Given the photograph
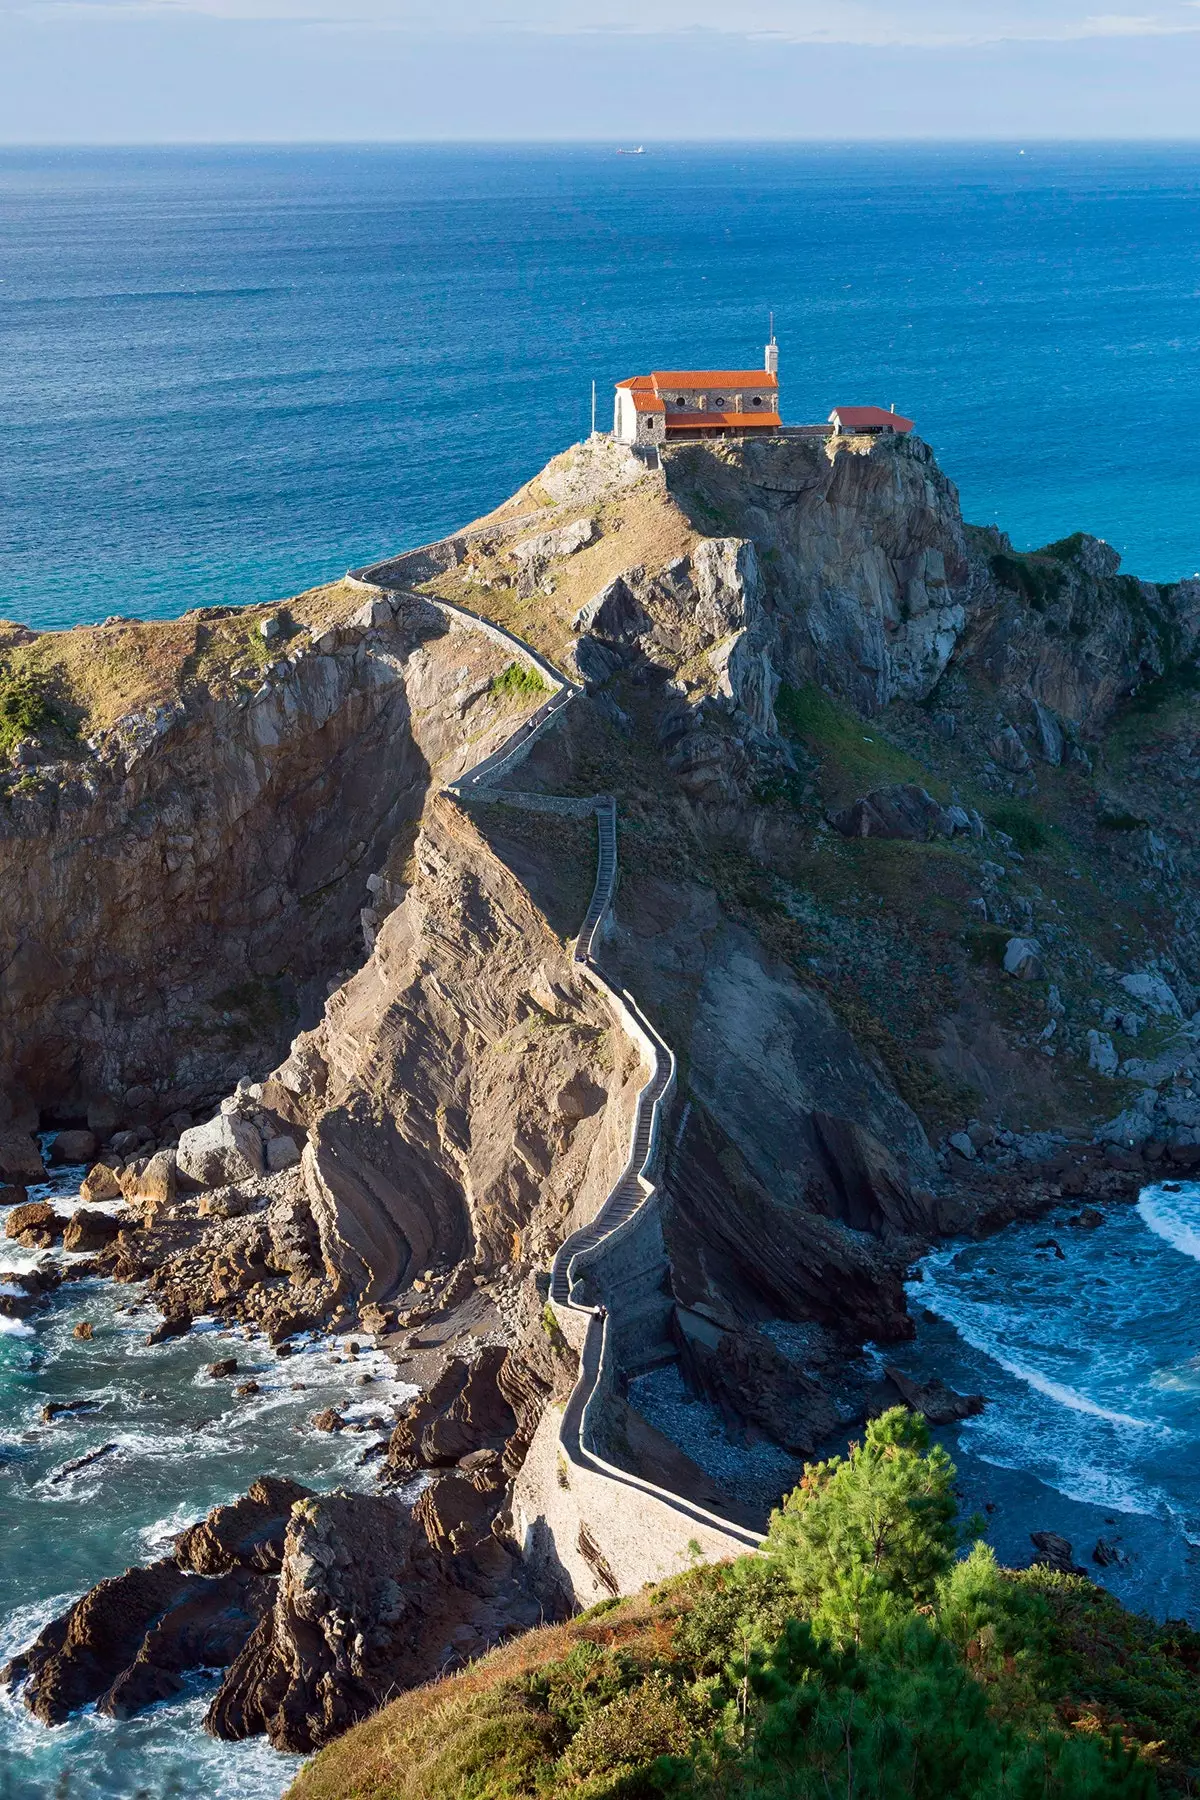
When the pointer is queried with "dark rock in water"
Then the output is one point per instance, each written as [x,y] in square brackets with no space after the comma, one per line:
[81,1462]
[284,1350]
[79,1655]
[205,1627]
[247,1534]
[1109,1555]
[84,1330]
[246,1388]
[329,1420]
[90,1229]
[1052,1244]
[129,1641]
[934,1400]
[126,1643]
[174,1325]
[35,1224]
[59,1409]
[1054,1552]
[1086,1219]
[13,1194]
[225,1366]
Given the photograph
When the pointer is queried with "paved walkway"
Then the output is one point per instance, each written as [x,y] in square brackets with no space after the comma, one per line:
[635,1188]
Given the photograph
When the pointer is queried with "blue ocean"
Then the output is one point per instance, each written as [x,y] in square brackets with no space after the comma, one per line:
[229,374]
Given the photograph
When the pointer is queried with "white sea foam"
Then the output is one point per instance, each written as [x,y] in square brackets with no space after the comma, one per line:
[1173,1217]
[14,1327]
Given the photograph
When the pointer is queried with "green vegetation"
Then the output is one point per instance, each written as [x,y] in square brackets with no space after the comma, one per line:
[855,758]
[518,681]
[1022,825]
[857,1657]
[1038,576]
[25,707]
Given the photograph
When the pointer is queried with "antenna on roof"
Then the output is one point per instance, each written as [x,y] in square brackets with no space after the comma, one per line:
[771,359]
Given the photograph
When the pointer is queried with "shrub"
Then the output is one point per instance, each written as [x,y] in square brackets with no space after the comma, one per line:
[25,708]
[864,1538]
[1022,826]
[517,681]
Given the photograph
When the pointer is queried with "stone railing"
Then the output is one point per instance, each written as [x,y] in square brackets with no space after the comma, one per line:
[598,1527]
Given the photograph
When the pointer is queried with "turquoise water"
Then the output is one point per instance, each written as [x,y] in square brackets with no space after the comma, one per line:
[183,1444]
[227,374]
[1091,1365]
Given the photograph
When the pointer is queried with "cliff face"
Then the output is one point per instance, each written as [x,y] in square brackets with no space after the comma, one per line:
[171,903]
[465,1094]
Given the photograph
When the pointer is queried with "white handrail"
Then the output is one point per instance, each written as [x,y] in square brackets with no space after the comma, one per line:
[616,1218]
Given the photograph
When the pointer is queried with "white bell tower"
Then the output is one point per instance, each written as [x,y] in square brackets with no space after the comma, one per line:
[771,355]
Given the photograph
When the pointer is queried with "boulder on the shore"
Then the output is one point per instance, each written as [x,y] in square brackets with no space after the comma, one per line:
[90,1229]
[1054,1552]
[13,1194]
[20,1159]
[101,1183]
[150,1185]
[73,1147]
[35,1224]
[225,1150]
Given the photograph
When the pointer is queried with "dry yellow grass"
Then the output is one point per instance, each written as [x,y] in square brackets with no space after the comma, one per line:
[423,1745]
[641,528]
[99,674]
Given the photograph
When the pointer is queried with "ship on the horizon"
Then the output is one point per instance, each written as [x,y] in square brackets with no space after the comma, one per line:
[640,151]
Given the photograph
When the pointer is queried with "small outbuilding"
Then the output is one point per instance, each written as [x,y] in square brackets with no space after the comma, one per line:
[855,420]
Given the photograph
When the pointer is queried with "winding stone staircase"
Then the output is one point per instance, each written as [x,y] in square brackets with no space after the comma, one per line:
[662,1530]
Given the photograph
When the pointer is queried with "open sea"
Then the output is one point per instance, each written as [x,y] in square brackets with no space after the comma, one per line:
[227,374]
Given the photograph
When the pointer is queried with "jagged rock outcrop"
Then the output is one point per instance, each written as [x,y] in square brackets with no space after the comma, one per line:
[129,1641]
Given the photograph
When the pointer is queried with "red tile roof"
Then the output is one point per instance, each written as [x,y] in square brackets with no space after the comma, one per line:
[637,381]
[713,421]
[869,418]
[712,378]
[648,403]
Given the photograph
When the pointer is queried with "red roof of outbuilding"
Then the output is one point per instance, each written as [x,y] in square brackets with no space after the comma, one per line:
[644,402]
[869,418]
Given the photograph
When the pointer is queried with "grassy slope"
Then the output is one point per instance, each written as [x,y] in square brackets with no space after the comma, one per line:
[588,1707]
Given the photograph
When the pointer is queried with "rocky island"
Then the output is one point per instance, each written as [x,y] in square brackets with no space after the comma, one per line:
[620,938]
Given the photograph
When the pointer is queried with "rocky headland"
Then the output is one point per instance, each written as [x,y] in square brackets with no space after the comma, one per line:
[906,852]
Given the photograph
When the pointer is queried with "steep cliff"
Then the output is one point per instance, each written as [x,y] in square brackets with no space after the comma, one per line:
[177,889]
[905,881]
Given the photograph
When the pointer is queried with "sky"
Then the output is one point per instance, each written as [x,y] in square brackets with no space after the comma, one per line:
[155,71]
